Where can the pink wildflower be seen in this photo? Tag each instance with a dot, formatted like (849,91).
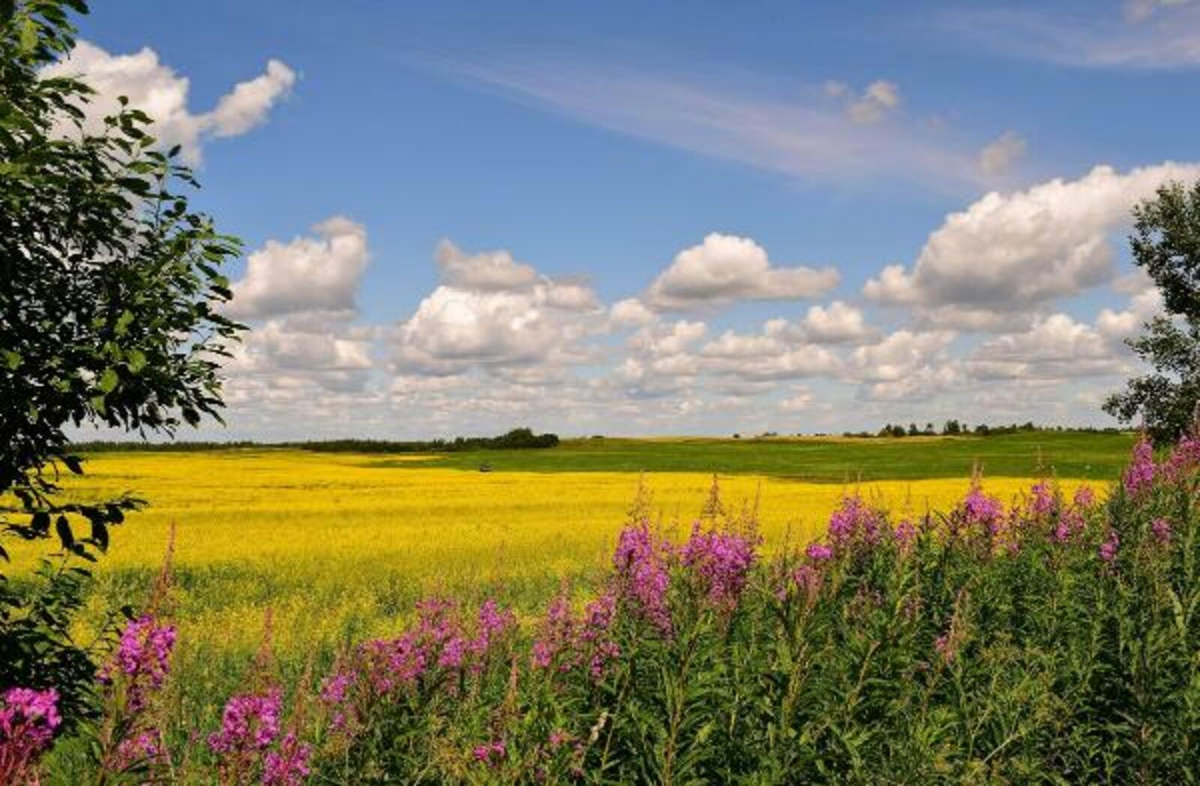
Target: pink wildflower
(818,552)
(1085,497)
(250,722)
(1044,501)
(491,753)
(1108,549)
(288,766)
(1139,475)
(642,575)
(855,521)
(28,720)
(722,562)
(143,659)
(1161,529)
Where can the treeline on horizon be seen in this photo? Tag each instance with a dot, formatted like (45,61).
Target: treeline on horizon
(953,428)
(516,439)
(524,438)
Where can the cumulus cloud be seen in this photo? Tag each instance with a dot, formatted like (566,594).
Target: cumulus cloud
(1056,347)
(800,399)
(837,323)
(899,355)
(489,271)
(1012,252)
(493,312)
(1001,155)
(156,89)
(726,268)
(305,274)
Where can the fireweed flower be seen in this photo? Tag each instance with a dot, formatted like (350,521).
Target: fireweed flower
(979,509)
(1161,530)
(818,552)
(28,721)
(855,521)
(1085,497)
(143,659)
(557,634)
(1184,457)
(249,723)
(1139,475)
(905,535)
(1043,500)
(490,753)
(642,575)
(289,765)
(722,562)
(1108,549)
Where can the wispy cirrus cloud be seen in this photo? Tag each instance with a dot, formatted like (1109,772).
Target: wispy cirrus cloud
(808,133)
(1147,36)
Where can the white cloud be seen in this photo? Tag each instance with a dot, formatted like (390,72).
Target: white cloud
(489,271)
(1001,155)
(305,274)
(156,89)
(493,313)
(1012,252)
(1089,40)
(837,323)
(1056,347)
(725,268)
(880,99)
(738,117)
(899,355)
(630,312)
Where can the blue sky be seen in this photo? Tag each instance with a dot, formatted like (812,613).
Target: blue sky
(618,218)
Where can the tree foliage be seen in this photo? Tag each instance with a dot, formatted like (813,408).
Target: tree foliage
(109,294)
(1166,244)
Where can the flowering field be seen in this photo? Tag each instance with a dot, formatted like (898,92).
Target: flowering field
(441,625)
(337,547)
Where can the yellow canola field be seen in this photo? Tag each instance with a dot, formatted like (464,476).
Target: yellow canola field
(339,546)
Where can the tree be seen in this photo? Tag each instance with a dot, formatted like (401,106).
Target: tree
(952,427)
(109,295)
(1166,244)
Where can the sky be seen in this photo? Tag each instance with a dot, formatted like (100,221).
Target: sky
(626,218)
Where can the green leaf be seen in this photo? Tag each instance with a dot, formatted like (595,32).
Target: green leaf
(136,360)
(74,464)
(40,523)
(108,380)
(11,359)
(123,321)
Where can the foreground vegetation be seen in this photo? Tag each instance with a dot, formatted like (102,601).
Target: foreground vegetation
(1050,639)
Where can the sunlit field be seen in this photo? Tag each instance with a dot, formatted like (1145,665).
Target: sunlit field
(339,546)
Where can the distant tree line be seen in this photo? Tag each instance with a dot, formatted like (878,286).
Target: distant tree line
(516,439)
(953,428)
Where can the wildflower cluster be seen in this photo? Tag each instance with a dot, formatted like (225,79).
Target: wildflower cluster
(28,720)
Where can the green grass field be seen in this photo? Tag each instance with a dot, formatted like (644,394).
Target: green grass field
(1069,454)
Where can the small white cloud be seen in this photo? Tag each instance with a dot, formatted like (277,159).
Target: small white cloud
(488,271)
(837,323)
(155,88)
(1056,347)
(879,100)
(726,268)
(1000,156)
(305,274)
